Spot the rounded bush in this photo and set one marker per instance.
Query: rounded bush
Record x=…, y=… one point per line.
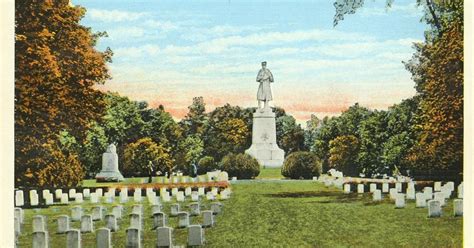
x=206, y=164
x=299, y=165
x=242, y=166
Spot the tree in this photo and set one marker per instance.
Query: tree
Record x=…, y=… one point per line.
x=344, y=151
x=299, y=165
x=95, y=144
x=438, y=68
x=196, y=118
x=242, y=166
x=56, y=67
x=290, y=135
x=312, y=126
x=138, y=154
x=191, y=149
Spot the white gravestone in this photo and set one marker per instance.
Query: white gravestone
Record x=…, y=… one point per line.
x=40, y=239
x=156, y=208
x=20, y=214
x=195, y=235
x=64, y=198
x=398, y=186
x=194, y=196
x=103, y=238
x=410, y=193
x=137, y=209
x=117, y=211
x=347, y=188
x=164, y=237
x=180, y=196
x=124, y=195
x=58, y=193
x=76, y=213
x=434, y=208
x=360, y=188
x=393, y=193
x=159, y=219
x=79, y=198
x=34, y=201
x=63, y=224
x=439, y=196
x=137, y=195
x=187, y=191
x=437, y=186
x=19, y=198
x=428, y=191
x=17, y=226
x=377, y=195
x=49, y=199
x=174, y=209
x=133, y=238
x=99, y=192
x=86, y=193
x=86, y=224
x=183, y=219
x=72, y=192
x=194, y=209
x=39, y=223
x=385, y=187
x=111, y=222
x=457, y=207
x=207, y=218
x=420, y=200
x=216, y=207
x=94, y=198
x=73, y=238
x=136, y=221
x=400, y=200
x=201, y=191
x=97, y=213
x=110, y=170
x=461, y=191
x=373, y=187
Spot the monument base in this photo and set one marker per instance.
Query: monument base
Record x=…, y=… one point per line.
x=109, y=176
x=264, y=147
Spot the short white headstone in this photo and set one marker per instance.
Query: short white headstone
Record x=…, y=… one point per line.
x=207, y=218
x=19, y=198
x=111, y=222
x=457, y=207
x=73, y=238
x=194, y=196
x=58, y=193
x=133, y=238
x=39, y=223
x=201, y=191
x=420, y=200
x=194, y=209
x=180, y=196
x=373, y=187
x=216, y=207
x=86, y=193
x=377, y=195
x=103, y=238
x=174, y=192
x=347, y=188
x=398, y=186
x=40, y=239
x=137, y=195
x=400, y=200
x=86, y=223
x=187, y=191
x=439, y=196
x=449, y=186
x=97, y=213
x=437, y=186
x=174, y=209
x=34, y=199
x=63, y=224
x=393, y=193
x=428, y=191
x=410, y=193
x=64, y=199
x=360, y=188
x=385, y=188
x=164, y=237
x=123, y=196
x=183, y=219
x=94, y=198
x=195, y=235
x=137, y=209
x=49, y=199
x=20, y=214
x=76, y=213
x=72, y=192
x=434, y=208
x=159, y=219
x=117, y=211
x=461, y=191
x=156, y=208
x=99, y=192
x=136, y=221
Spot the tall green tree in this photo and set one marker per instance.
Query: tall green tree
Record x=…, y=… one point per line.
x=56, y=67
x=343, y=154
x=196, y=118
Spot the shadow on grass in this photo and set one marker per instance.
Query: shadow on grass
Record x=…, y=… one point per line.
x=334, y=197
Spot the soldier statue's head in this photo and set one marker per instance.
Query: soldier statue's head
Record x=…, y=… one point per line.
x=111, y=148
x=264, y=64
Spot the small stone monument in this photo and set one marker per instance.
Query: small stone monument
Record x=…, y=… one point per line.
x=264, y=146
x=110, y=171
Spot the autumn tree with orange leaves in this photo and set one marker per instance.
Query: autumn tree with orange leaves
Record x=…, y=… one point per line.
x=56, y=66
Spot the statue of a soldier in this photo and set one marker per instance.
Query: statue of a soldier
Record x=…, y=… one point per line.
x=264, y=94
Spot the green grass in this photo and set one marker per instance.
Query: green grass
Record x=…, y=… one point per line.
x=270, y=173
x=294, y=214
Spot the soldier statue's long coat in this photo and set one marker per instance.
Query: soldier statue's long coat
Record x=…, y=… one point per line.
x=265, y=77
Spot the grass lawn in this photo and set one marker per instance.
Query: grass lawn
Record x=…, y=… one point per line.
x=269, y=173
x=293, y=214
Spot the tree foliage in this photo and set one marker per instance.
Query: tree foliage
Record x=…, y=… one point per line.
x=343, y=152
x=299, y=165
x=56, y=66
x=242, y=166
x=138, y=154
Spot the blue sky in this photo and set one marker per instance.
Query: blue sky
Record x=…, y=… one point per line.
x=166, y=52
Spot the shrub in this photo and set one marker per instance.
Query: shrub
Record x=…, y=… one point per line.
x=242, y=166
x=206, y=164
x=138, y=154
x=301, y=165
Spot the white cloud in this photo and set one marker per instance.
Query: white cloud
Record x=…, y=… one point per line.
x=114, y=15
x=408, y=10
x=162, y=25
x=134, y=52
x=122, y=32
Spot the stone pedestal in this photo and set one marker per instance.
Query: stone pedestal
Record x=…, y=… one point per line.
x=110, y=171
x=264, y=146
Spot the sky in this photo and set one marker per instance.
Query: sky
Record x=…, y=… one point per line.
x=169, y=51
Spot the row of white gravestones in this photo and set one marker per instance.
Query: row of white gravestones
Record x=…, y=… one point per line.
x=49, y=197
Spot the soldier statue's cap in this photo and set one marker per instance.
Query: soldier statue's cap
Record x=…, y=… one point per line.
x=264, y=62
